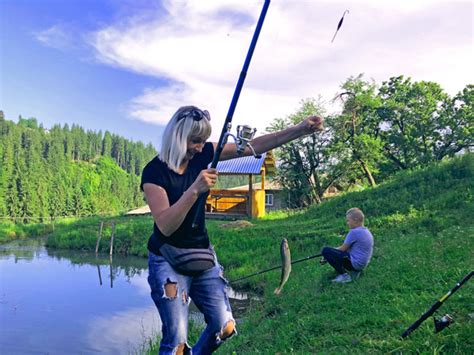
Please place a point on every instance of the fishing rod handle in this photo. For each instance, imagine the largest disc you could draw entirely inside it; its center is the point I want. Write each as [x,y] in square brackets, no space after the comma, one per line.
[418,322]
[435,306]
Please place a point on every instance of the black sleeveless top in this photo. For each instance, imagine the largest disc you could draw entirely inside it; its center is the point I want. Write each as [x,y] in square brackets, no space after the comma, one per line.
[157,172]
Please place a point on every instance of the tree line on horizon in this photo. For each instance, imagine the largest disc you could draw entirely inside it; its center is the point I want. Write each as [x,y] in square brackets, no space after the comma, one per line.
[380,131]
[67,171]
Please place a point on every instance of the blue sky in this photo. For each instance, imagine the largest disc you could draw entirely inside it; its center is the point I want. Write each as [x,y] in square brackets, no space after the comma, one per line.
[126,66]
[49,71]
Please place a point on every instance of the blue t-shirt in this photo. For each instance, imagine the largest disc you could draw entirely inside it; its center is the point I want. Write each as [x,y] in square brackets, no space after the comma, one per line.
[361,244]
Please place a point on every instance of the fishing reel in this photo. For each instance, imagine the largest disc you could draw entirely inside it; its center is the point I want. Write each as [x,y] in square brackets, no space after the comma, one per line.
[443,322]
[244,136]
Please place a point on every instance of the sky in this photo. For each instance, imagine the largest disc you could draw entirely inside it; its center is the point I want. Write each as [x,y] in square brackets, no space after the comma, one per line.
[127,65]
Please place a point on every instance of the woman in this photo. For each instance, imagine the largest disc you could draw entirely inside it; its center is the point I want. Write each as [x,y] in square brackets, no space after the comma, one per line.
[172,184]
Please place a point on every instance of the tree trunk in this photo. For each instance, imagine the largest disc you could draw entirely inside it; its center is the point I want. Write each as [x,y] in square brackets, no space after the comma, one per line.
[367,172]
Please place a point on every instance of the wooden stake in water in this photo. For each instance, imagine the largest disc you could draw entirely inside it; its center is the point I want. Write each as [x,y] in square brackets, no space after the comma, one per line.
[112,239]
[99,237]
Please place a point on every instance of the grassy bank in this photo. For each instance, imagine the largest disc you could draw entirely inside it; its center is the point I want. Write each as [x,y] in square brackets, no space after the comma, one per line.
[130,236]
[423,226]
[10,231]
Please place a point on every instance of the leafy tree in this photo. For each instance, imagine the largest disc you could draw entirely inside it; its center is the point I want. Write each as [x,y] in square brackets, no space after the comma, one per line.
[357,143]
[420,123]
[304,163]
[455,131]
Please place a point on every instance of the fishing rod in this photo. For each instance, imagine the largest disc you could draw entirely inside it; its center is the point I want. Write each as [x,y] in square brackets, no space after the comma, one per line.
[246,134]
[435,306]
[276,267]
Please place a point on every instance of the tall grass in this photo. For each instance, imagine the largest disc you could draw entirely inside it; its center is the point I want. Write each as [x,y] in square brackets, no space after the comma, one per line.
[423,226]
[12,231]
[130,235]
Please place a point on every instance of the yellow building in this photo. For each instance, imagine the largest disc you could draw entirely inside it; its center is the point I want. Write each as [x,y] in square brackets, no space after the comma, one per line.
[235,202]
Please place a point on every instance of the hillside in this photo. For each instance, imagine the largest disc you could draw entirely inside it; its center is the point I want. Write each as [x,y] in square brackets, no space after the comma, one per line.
[423,228]
[66,171]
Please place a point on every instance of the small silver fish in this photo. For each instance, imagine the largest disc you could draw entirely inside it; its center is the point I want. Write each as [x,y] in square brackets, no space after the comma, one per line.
[285,265]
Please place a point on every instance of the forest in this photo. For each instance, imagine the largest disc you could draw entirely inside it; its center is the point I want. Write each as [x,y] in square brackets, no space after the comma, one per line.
[67,171]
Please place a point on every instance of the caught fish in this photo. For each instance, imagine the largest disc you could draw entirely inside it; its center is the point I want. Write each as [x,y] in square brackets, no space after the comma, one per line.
[340,24]
[285,265]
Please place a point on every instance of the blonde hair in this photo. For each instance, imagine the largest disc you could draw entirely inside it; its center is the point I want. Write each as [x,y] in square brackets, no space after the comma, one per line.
[356,215]
[177,133]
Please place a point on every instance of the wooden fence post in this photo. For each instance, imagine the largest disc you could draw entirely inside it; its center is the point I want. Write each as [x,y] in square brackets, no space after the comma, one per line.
[99,237]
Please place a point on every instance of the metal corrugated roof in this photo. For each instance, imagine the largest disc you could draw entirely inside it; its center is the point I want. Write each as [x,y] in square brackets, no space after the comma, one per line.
[244,165]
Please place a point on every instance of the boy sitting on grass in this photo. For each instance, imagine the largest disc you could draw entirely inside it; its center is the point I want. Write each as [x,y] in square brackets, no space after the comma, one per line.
[355,253]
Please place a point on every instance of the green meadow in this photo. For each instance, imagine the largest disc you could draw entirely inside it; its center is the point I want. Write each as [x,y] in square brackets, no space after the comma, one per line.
[422,222]
[424,239]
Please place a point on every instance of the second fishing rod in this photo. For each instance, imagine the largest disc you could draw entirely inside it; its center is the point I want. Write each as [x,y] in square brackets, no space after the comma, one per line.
[276,267]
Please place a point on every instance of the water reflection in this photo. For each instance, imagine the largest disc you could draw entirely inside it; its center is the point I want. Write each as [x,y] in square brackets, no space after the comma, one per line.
[59,302]
[123,330]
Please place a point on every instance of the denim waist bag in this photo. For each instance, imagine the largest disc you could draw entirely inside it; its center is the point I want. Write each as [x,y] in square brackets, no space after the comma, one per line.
[189,261]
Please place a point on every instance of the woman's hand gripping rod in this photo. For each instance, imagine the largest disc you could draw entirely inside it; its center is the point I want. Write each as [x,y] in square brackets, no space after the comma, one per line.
[244,136]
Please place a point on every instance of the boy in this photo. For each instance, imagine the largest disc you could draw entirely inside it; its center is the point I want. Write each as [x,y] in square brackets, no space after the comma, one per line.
[356,251]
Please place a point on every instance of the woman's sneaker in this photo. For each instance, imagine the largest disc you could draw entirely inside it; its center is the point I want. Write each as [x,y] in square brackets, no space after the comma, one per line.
[343,278]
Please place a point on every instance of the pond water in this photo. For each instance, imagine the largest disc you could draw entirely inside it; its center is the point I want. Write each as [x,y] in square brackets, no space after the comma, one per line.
[58,302]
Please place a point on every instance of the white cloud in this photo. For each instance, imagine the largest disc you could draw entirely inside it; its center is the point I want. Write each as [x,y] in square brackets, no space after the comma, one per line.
[200,47]
[58,36]
[123,332]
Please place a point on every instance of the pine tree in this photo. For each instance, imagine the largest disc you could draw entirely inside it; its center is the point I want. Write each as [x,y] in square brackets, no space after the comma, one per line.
[107,145]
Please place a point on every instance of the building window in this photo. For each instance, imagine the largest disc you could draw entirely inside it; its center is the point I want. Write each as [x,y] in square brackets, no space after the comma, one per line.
[268,199]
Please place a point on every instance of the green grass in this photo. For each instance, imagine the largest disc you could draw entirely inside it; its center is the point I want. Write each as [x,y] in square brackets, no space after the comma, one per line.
[10,231]
[130,236]
[423,226]
[422,222]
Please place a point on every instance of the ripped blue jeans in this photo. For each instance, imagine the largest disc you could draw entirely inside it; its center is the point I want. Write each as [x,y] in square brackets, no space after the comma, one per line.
[172,292]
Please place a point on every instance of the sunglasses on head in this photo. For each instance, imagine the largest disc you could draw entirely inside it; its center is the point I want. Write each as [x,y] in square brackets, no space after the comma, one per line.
[195,113]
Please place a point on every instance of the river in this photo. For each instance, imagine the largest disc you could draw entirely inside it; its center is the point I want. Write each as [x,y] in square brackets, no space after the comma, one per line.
[65,302]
